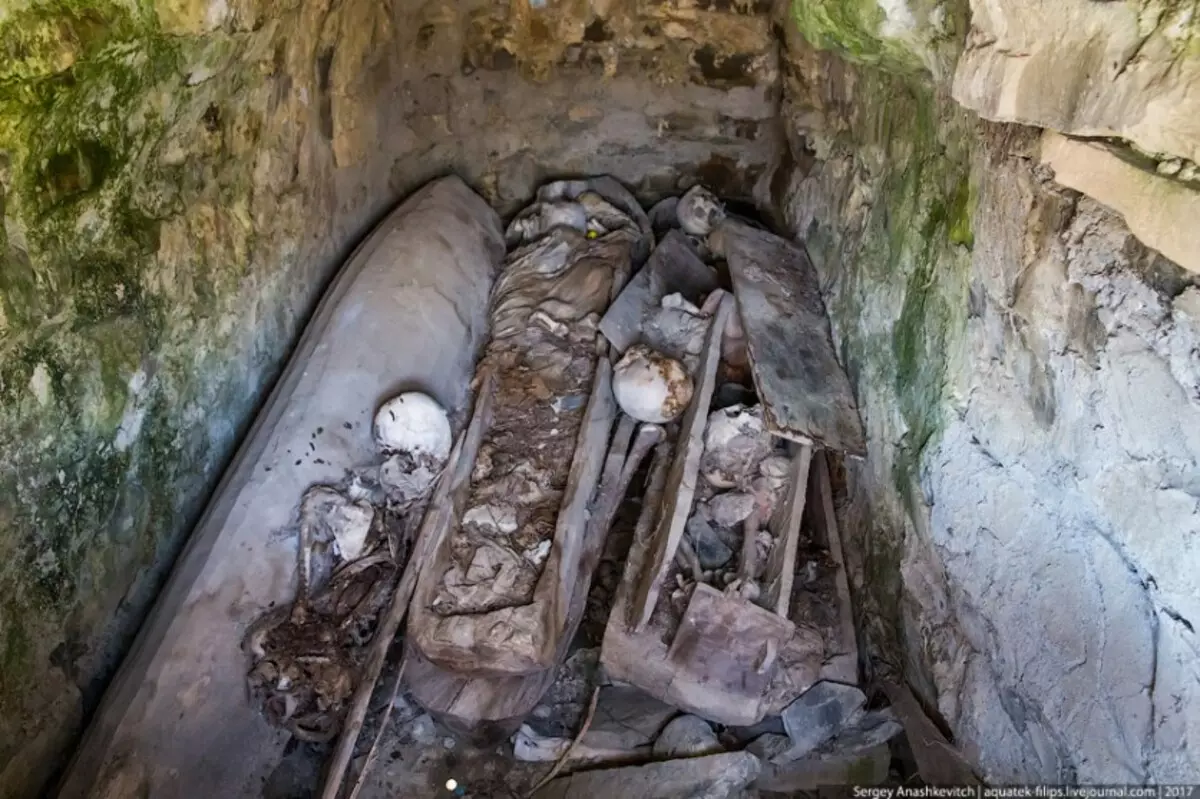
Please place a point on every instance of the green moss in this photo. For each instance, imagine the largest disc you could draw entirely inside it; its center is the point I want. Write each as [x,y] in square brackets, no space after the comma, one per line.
[851,28]
[962,209]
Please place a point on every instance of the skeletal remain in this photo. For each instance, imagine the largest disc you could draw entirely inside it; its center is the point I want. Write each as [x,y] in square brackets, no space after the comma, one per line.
[651,387]
[415,424]
[687,559]
[744,585]
[541,218]
[699,211]
[735,442]
[609,495]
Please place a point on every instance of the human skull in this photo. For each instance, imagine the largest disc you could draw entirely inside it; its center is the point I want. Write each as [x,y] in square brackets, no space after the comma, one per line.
[699,211]
[415,424]
[651,387]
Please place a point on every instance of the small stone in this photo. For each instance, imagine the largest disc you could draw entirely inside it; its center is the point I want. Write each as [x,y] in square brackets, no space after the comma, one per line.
[710,549]
[449,743]
[686,736]
[422,729]
[820,713]
[730,509]
[530,747]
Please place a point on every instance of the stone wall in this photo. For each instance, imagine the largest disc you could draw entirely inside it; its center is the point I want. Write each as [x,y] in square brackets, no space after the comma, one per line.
[178,181]
[1024,529]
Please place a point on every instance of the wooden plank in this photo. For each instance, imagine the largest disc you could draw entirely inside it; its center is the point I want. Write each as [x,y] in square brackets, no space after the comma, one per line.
[673,267]
[471,704]
[842,665]
[681,480]
[938,761]
[730,645]
[781,567]
[804,392]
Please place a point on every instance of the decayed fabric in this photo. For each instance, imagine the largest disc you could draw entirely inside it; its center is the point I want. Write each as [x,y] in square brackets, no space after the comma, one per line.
[543,349]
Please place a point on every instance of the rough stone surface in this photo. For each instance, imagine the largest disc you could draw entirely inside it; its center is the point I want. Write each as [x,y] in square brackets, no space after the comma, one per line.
[820,713]
[1021,536]
[713,777]
[1159,210]
[686,736]
[1126,70]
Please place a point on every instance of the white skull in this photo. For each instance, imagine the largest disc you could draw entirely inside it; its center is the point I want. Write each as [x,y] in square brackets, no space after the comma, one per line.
[415,424]
[699,211]
[651,387]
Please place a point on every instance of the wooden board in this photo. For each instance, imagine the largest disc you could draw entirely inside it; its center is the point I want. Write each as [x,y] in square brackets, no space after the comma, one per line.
[681,480]
[805,393]
[672,267]
[842,662]
[785,527]
[524,639]
[480,704]
[730,644]
[486,707]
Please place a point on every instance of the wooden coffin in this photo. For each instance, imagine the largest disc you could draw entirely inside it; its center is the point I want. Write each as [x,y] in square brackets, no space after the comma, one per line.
[726,659]
[405,312]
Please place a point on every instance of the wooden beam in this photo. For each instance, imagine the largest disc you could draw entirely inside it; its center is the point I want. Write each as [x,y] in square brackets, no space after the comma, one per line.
[781,567]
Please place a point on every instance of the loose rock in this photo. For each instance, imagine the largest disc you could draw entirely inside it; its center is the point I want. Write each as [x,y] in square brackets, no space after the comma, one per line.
[686,736]
[820,713]
[731,508]
[712,552]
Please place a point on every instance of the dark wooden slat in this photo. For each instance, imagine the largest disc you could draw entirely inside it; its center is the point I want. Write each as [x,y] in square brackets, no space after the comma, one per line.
[805,393]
